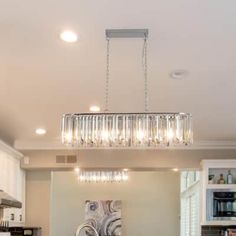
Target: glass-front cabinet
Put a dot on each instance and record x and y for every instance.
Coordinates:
(218, 192)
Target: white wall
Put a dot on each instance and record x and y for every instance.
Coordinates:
(150, 203)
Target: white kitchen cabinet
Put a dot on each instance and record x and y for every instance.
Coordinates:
(12, 181)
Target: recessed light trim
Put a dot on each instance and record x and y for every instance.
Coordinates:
(40, 131)
(175, 169)
(69, 36)
(178, 74)
(94, 108)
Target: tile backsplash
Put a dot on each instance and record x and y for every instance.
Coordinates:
(1, 214)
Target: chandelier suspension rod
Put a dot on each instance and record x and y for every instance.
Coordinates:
(143, 33)
(145, 69)
(107, 76)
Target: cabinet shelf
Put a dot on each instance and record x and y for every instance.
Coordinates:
(219, 223)
(221, 186)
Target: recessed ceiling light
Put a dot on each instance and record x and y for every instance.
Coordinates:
(94, 108)
(69, 36)
(178, 74)
(175, 169)
(40, 131)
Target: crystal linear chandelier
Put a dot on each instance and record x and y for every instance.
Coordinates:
(102, 176)
(132, 130)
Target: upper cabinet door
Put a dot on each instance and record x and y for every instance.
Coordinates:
(10, 174)
(5, 166)
(12, 181)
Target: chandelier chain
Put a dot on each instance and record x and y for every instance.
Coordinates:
(145, 71)
(107, 76)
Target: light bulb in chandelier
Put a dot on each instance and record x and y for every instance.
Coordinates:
(105, 135)
(170, 134)
(77, 170)
(140, 135)
(68, 137)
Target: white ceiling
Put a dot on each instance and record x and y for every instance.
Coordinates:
(42, 77)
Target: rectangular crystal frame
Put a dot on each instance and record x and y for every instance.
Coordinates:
(127, 129)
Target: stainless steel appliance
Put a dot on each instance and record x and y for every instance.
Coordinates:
(7, 201)
(25, 231)
(221, 204)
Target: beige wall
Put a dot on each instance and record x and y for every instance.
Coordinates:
(135, 159)
(38, 199)
(150, 203)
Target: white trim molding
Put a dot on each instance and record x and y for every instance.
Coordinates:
(10, 150)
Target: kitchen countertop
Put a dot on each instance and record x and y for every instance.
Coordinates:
(5, 234)
(26, 227)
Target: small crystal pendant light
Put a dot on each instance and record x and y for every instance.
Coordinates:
(127, 130)
(98, 176)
